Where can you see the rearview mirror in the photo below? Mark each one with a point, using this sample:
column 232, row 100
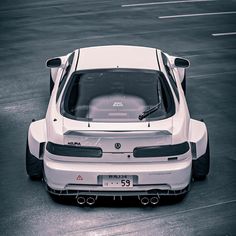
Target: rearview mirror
column 181, row 62
column 54, row 62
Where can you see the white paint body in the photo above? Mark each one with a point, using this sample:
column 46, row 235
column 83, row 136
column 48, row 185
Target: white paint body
column 61, row 172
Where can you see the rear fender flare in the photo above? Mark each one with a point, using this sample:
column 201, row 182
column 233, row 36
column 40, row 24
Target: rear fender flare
column 37, row 138
column 198, row 137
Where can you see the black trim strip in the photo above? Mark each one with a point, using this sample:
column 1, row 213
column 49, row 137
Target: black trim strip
column 158, row 60
column 77, row 60
column 73, row 151
column 41, row 149
column 160, row 151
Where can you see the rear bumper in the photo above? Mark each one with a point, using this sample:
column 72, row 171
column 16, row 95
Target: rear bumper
column 73, row 178
column 150, row 192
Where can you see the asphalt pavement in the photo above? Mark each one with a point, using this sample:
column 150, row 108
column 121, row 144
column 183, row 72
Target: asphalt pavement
column 202, row 31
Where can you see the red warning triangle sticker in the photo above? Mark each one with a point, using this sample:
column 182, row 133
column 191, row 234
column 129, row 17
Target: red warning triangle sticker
column 79, row 177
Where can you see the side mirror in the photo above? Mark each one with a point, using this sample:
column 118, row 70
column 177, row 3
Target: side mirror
column 181, row 62
column 54, row 62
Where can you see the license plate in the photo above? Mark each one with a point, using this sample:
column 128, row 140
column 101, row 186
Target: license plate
column 118, row 181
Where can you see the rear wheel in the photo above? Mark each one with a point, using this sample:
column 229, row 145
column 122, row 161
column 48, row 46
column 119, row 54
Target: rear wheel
column 34, row 166
column 201, row 166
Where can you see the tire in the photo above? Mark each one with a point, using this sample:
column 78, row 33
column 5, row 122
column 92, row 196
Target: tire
column 201, row 166
column 34, row 166
column 184, row 84
column 51, row 84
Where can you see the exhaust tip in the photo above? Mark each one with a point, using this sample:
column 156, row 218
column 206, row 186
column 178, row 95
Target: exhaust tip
column 80, row 200
column 90, row 201
column 144, row 201
column 154, row 200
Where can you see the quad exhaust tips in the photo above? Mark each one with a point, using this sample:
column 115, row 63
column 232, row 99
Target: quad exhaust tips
column 144, row 200
column 153, row 200
column 81, row 200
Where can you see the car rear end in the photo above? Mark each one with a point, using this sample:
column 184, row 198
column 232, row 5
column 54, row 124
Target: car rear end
column 104, row 148
column 111, row 163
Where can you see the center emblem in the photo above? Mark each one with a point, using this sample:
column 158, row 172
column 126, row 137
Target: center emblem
column 117, row 145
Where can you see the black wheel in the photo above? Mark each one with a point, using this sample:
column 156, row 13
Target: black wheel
column 51, row 84
column 201, row 166
column 184, row 83
column 34, row 166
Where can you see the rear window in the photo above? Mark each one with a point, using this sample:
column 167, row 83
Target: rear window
column 116, row 95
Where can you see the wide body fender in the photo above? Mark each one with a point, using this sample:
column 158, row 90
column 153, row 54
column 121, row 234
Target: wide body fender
column 198, row 137
column 37, row 138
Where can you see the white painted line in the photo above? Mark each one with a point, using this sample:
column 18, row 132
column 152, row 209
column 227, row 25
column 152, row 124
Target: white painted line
column 224, row 34
column 135, row 220
column 212, row 74
column 200, row 14
column 205, row 207
column 162, row 3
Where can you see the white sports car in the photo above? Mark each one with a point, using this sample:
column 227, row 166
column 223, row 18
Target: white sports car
column 117, row 125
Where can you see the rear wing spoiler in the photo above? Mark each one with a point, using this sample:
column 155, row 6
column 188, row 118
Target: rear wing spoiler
column 112, row 133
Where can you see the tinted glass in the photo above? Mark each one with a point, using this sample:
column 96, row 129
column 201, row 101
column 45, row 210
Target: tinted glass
column 115, row 95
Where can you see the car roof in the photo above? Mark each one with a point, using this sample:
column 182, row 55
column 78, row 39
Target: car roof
column 117, row 56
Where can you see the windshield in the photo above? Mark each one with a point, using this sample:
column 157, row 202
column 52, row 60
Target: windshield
column 116, row 95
